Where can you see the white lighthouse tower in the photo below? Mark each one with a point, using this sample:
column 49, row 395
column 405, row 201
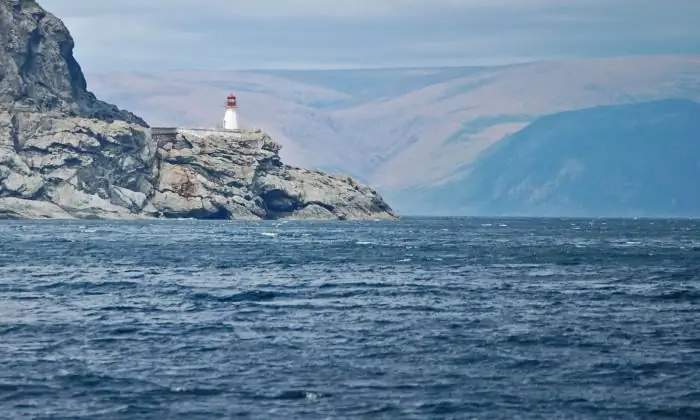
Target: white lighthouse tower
column 231, row 117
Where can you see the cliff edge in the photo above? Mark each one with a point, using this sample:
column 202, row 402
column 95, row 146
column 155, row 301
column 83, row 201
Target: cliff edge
column 66, row 154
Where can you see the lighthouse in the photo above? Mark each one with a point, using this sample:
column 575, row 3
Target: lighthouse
column 230, row 117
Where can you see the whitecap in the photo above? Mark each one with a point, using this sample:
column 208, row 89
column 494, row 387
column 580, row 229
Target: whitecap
column 543, row 272
column 311, row 395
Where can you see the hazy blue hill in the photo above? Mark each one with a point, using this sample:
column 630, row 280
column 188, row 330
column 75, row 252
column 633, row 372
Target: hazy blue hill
column 638, row 159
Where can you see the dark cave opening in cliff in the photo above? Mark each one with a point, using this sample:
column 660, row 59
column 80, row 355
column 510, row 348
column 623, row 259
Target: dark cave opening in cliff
column 278, row 201
column 219, row 213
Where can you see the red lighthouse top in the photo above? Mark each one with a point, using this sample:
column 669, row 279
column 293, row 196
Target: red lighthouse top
column 231, row 101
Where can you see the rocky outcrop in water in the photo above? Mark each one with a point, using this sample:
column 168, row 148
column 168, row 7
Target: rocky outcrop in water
column 64, row 153
column 221, row 175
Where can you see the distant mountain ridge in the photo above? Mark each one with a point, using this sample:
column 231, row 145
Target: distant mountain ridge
column 402, row 130
column 638, row 159
column 398, row 128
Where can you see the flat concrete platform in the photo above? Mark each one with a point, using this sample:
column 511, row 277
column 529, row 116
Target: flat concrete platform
column 169, row 133
column 175, row 130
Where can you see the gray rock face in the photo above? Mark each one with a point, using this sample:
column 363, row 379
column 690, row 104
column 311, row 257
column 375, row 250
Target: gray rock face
column 84, row 166
column 221, row 175
column 38, row 71
column 81, row 168
column 66, row 154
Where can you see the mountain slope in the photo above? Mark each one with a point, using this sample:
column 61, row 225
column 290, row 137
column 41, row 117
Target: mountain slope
column 627, row 160
column 399, row 128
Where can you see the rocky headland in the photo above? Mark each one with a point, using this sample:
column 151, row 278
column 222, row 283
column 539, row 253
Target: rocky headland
column 66, row 154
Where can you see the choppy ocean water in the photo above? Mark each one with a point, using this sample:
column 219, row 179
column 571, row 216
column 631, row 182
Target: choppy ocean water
column 417, row 319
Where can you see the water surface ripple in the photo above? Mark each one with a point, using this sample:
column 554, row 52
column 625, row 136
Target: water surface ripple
column 450, row 318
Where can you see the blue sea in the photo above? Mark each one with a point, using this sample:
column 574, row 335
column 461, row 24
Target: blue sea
column 450, row 318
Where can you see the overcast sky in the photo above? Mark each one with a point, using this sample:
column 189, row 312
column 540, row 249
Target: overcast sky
column 257, row 34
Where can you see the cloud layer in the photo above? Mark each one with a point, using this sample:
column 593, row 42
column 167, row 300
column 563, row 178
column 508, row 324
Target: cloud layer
column 235, row 34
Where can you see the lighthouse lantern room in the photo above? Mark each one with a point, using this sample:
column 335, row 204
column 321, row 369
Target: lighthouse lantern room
column 231, row 117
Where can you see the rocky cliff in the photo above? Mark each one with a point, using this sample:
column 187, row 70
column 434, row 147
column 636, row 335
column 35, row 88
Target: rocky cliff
column 221, row 175
column 66, row 154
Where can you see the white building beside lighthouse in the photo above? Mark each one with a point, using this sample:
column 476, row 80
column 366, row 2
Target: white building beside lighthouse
column 231, row 116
